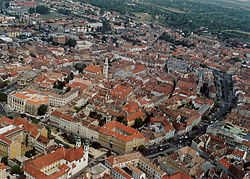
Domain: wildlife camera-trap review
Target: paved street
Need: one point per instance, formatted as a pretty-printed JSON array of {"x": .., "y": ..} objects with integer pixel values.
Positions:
[{"x": 61, "y": 139}]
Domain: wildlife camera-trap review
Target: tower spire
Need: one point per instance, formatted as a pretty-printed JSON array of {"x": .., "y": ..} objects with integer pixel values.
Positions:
[
  {"x": 78, "y": 142},
  {"x": 106, "y": 68}
]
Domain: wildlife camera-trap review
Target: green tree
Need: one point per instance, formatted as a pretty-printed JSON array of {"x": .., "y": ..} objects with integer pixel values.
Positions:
[
  {"x": 42, "y": 109},
  {"x": 171, "y": 139},
  {"x": 4, "y": 160},
  {"x": 119, "y": 118},
  {"x": 22, "y": 115},
  {"x": 122, "y": 120},
  {"x": 138, "y": 123},
  {"x": 49, "y": 131},
  {"x": 96, "y": 145},
  {"x": 41, "y": 9},
  {"x": 35, "y": 120},
  {"x": 3, "y": 96},
  {"x": 195, "y": 128},
  {"x": 102, "y": 122},
  {"x": 72, "y": 138},
  {"x": 106, "y": 27},
  {"x": 59, "y": 85},
  {"x": 80, "y": 66},
  {"x": 3, "y": 84},
  {"x": 71, "y": 75},
  {"x": 71, "y": 43},
  {"x": 206, "y": 117},
  {"x": 142, "y": 148},
  {"x": 31, "y": 10},
  {"x": 125, "y": 122},
  {"x": 16, "y": 169},
  {"x": 28, "y": 154},
  {"x": 217, "y": 104}
]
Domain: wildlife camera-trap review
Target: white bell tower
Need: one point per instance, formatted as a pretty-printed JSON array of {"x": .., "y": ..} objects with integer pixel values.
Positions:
[
  {"x": 106, "y": 68},
  {"x": 86, "y": 148},
  {"x": 78, "y": 142}
]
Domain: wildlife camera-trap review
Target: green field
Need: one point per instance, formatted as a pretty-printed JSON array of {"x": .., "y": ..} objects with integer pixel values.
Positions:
[
  {"x": 49, "y": 16},
  {"x": 217, "y": 16}
]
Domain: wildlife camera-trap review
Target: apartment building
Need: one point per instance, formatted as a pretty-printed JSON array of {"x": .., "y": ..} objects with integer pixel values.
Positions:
[
  {"x": 133, "y": 165},
  {"x": 62, "y": 99},
  {"x": 234, "y": 136},
  {"x": 11, "y": 138},
  {"x": 19, "y": 136},
  {"x": 81, "y": 127},
  {"x": 120, "y": 138},
  {"x": 160, "y": 124}
]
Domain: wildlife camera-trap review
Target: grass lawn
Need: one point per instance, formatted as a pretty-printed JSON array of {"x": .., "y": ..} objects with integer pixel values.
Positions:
[
  {"x": 49, "y": 16},
  {"x": 144, "y": 16}
]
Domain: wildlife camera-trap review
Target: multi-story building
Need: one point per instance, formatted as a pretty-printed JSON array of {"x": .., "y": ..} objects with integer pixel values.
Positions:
[
  {"x": 30, "y": 100},
  {"x": 26, "y": 101},
  {"x": 62, "y": 163},
  {"x": 62, "y": 99},
  {"x": 77, "y": 126},
  {"x": 160, "y": 124},
  {"x": 234, "y": 136},
  {"x": 132, "y": 117},
  {"x": 20, "y": 135},
  {"x": 133, "y": 165},
  {"x": 120, "y": 138},
  {"x": 25, "y": 78},
  {"x": 11, "y": 138}
]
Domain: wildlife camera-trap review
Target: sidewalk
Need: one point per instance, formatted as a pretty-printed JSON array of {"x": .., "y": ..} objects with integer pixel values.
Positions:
[{"x": 61, "y": 139}]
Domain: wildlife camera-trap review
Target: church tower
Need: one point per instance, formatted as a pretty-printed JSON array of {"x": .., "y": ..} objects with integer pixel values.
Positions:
[
  {"x": 86, "y": 148},
  {"x": 106, "y": 68},
  {"x": 78, "y": 142}
]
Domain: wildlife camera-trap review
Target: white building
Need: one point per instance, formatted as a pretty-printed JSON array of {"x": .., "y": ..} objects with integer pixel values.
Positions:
[
  {"x": 133, "y": 165},
  {"x": 26, "y": 101},
  {"x": 62, "y": 163},
  {"x": 61, "y": 100},
  {"x": 77, "y": 126}
]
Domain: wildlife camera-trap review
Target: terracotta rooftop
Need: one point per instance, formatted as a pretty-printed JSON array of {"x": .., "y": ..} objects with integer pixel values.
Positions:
[{"x": 108, "y": 129}]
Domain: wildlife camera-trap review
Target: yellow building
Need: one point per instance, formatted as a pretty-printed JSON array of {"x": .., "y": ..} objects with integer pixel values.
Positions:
[
  {"x": 120, "y": 138},
  {"x": 11, "y": 138},
  {"x": 18, "y": 136},
  {"x": 26, "y": 101},
  {"x": 132, "y": 117}
]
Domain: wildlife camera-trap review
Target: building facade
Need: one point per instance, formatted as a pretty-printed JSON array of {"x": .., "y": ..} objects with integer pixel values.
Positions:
[
  {"x": 133, "y": 165},
  {"x": 120, "y": 138},
  {"x": 61, "y": 163},
  {"x": 26, "y": 101}
]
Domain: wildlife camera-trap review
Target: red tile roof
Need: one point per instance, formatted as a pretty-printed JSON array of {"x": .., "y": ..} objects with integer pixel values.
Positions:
[
  {"x": 2, "y": 166},
  {"x": 69, "y": 155},
  {"x": 180, "y": 175},
  {"x": 93, "y": 69},
  {"x": 4, "y": 121},
  {"x": 224, "y": 163},
  {"x": 134, "y": 116},
  {"x": 139, "y": 68},
  {"x": 122, "y": 172},
  {"x": 108, "y": 130}
]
